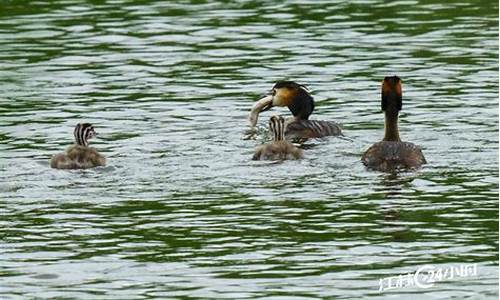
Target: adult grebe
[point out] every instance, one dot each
(80, 155)
(391, 153)
(279, 148)
(301, 104)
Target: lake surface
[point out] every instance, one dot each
(182, 212)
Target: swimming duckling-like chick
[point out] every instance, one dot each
(391, 153)
(80, 155)
(279, 148)
(301, 104)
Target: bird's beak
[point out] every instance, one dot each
(263, 104)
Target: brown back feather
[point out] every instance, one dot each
(389, 156)
(312, 129)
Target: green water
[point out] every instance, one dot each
(182, 212)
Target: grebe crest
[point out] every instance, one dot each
(391, 153)
(79, 155)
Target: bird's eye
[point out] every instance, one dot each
(274, 92)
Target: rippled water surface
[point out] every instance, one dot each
(182, 212)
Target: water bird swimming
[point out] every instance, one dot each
(79, 155)
(301, 104)
(391, 153)
(279, 148)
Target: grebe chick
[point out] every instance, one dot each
(80, 155)
(391, 153)
(279, 148)
(301, 104)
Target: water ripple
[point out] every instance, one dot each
(182, 212)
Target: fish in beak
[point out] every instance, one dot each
(263, 104)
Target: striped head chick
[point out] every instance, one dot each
(293, 95)
(83, 133)
(80, 155)
(279, 148)
(277, 128)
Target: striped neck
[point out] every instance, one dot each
(83, 132)
(277, 126)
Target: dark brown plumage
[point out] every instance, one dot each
(387, 156)
(391, 153)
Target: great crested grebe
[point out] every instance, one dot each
(279, 148)
(391, 153)
(79, 155)
(301, 104)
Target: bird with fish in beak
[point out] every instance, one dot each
(299, 101)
